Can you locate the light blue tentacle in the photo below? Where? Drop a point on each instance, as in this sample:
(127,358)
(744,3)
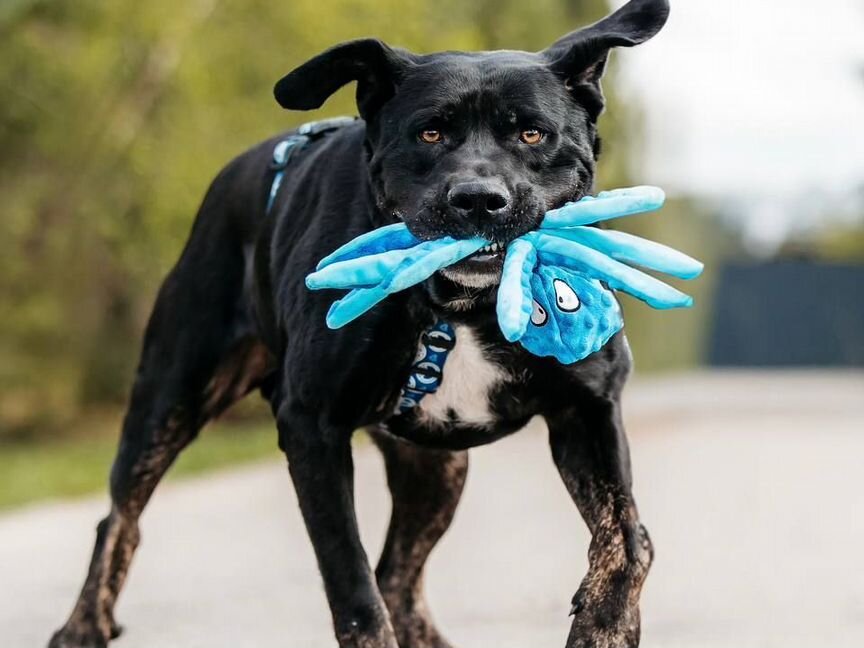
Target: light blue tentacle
(514,294)
(415,265)
(631,249)
(383,239)
(366,271)
(353,305)
(605,206)
(417,268)
(619,276)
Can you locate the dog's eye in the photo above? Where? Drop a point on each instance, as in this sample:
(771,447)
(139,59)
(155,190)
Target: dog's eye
(531,136)
(431,136)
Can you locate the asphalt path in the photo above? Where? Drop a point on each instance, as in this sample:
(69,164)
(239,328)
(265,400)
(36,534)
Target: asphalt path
(750,484)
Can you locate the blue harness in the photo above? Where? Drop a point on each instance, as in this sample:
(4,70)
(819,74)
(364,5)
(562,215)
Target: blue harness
(438,340)
(285,149)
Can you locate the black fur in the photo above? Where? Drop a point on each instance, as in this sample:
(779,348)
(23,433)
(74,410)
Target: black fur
(234,315)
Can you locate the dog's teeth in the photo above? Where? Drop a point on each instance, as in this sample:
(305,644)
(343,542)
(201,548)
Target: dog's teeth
(491,248)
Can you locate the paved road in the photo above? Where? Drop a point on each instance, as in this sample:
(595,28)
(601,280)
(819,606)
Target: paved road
(749,483)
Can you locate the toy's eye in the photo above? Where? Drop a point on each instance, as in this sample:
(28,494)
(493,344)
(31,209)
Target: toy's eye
(431,136)
(565,297)
(531,136)
(538,315)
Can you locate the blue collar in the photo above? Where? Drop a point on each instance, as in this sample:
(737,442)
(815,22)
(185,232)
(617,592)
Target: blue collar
(438,340)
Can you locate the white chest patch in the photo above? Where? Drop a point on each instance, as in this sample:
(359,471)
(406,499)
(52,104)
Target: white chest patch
(464,391)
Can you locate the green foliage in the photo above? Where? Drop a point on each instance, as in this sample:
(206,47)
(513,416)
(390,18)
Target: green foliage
(68,468)
(115,117)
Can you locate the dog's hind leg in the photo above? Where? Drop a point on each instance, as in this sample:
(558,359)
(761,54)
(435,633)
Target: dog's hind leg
(165,414)
(158,426)
(426,486)
(199,356)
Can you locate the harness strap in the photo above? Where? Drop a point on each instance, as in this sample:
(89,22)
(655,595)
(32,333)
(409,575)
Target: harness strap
(427,372)
(438,340)
(285,149)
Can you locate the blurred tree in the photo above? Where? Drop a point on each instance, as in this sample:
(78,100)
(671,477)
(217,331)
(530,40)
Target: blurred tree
(115,117)
(844,243)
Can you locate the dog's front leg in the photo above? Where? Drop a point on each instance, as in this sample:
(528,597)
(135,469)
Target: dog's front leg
(590,450)
(319,459)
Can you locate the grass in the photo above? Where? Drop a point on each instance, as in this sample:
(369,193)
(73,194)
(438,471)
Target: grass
(36,471)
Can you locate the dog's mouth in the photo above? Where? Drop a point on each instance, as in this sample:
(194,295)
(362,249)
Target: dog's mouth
(488,253)
(480,270)
(483,268)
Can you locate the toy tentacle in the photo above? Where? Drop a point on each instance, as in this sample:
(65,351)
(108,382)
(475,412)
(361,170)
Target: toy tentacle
(369,270)
(605,206)
(618,275)
(353,305)
(416,268)
(633,250)
(356,273)
(383,239)
(412,267)
(514,293)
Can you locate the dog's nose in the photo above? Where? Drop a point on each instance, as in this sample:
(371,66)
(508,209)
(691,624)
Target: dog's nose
(479,198)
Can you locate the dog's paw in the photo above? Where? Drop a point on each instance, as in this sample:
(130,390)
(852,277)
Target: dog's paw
(81,635)
(421,635)
(415,629)
(588,632)
(603,624)
(68,637)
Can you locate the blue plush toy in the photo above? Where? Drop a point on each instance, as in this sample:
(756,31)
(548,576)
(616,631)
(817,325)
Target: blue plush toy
(552,298)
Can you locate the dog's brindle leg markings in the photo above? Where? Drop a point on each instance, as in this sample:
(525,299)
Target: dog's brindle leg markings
(152,438)
(321,467)
(195,362)
(92,620)
(590,450)
(426,486)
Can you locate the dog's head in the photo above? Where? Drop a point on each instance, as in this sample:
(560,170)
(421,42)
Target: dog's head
(481,143)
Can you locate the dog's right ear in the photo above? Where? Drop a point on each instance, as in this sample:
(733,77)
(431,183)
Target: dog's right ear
(376,67)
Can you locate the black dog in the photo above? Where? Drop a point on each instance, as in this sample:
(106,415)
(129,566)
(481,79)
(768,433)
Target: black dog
(451,143)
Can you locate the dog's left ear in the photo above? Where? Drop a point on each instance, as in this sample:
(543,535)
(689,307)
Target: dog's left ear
(376,67)
(579,58)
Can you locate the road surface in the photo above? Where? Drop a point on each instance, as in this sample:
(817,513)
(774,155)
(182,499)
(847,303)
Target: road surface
(751,486)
